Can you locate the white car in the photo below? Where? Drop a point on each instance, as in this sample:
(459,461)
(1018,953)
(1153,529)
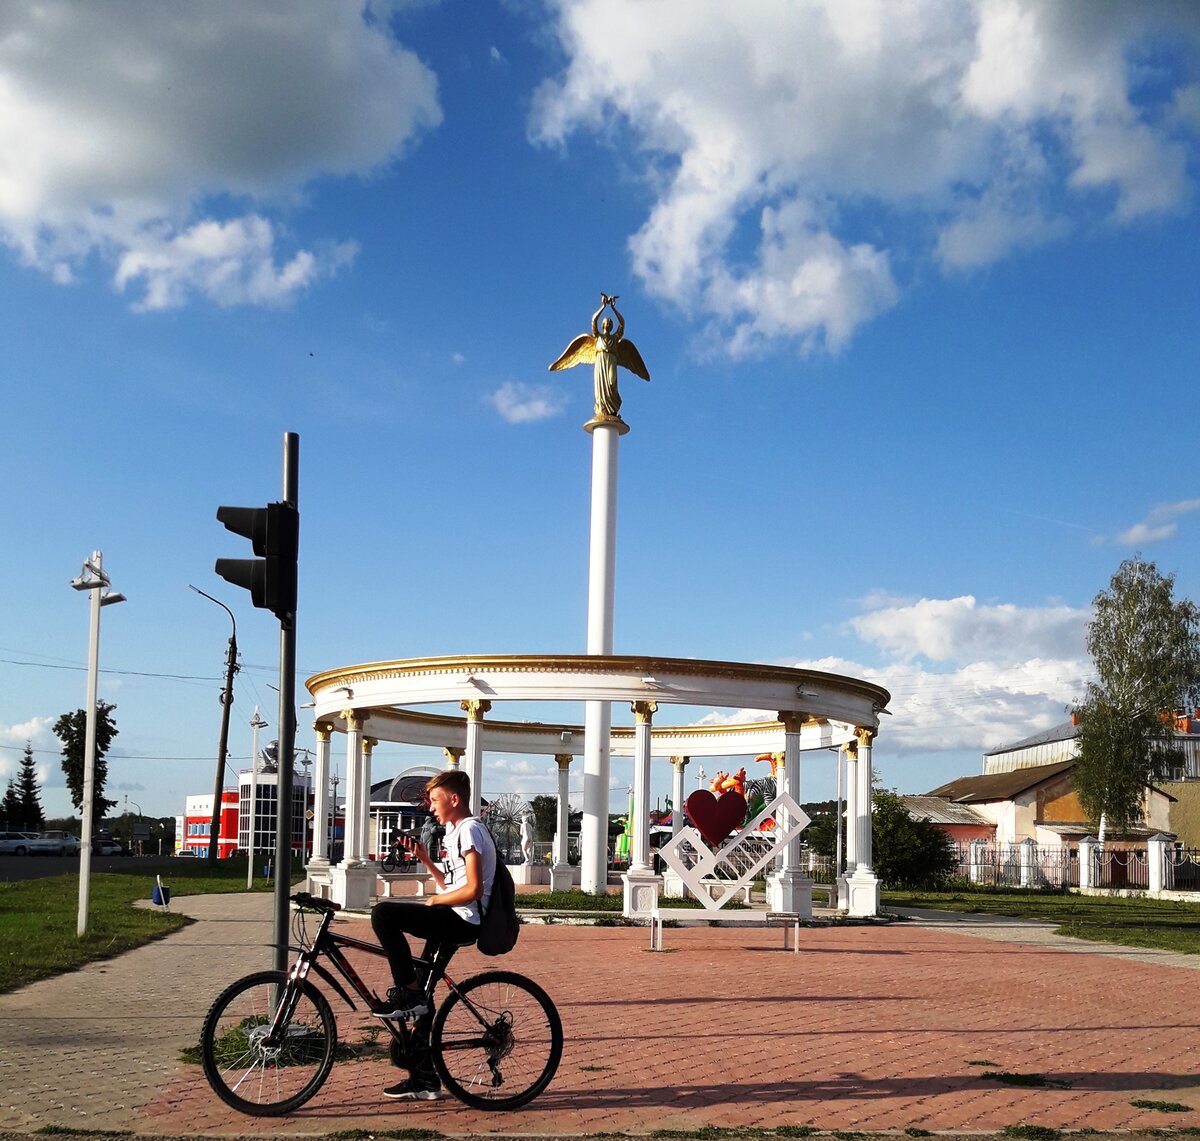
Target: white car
(16,843)
(54,843)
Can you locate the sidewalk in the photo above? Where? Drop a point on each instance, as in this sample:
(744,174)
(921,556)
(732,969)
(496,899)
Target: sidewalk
(867,1028)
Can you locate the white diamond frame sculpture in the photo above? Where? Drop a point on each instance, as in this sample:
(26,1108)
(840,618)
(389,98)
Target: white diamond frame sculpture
(738,860)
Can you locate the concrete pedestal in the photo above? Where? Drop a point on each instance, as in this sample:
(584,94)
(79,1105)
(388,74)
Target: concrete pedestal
(352,887)
(562,877)
(641,894)
(843,893)
(790,890)
(529,873)
(317,881)
(862,894)
(673,885)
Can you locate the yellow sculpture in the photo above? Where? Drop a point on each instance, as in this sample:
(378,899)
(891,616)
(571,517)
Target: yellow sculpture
(606,350)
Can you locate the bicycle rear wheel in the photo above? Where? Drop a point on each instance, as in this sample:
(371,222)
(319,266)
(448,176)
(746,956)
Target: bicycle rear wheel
(391,861)
(497,1041)
(250,1071)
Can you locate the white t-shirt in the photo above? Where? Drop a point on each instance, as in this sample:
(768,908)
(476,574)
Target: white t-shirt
(467,835)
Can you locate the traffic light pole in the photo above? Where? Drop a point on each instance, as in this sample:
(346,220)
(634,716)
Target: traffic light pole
(287,729)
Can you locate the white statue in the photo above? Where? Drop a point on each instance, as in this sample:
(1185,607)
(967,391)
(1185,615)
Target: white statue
(527,838)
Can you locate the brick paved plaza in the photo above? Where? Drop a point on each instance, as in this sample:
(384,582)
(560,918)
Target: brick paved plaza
(868,1027)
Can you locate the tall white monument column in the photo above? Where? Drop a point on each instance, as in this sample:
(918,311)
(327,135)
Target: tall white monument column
(352,882)
(473,757)
(597,721)
(790,889)
(560,870)
(641,884)
(862,883)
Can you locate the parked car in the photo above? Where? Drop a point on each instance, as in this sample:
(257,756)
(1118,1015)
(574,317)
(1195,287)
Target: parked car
(105,846)
(55,843)
(187,853)
(15,843)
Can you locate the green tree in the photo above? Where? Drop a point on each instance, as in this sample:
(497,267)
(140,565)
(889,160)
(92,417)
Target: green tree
(1145,646)
(907,852)
(28,793)
(545,817)
(71,730)
(10,808)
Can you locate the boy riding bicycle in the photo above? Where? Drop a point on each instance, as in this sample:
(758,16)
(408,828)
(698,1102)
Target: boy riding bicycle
(449,918)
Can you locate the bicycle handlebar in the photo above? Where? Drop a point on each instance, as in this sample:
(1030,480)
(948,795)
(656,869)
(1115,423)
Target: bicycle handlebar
(305,899)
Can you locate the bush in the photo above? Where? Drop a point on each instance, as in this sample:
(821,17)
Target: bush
(906,852)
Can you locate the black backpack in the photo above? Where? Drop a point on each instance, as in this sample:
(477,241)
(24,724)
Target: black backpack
(500,925)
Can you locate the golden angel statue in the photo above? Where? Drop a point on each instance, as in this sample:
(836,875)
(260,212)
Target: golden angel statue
(607,350)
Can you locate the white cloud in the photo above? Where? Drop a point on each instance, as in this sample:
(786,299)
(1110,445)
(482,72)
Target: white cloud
(962,630)
(138,130)
(526,403)
(799,152)
(1161,523)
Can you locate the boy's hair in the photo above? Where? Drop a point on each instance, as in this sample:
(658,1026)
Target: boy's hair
(452,780)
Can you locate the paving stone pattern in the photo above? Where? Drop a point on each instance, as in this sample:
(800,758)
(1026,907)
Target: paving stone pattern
(876,1027)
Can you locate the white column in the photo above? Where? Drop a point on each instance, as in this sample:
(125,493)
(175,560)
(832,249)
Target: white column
(1158,863)
(368,839)
(678,796)
(352,849)
(1029,863)
(1088,847)
(862,883)
(323,730)
(560,870)
(602,562)
(851,826)
(789,889)
(453,757)
(641,884)
(643,712)
(352,882)
(473,757)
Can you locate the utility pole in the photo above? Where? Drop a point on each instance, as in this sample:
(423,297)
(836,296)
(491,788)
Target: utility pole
(231,667)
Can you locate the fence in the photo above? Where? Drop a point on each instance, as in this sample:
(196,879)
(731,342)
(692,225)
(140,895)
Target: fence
(1017,865)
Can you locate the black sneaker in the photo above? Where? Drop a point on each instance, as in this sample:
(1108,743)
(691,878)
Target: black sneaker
(413,1090)
(401,1002)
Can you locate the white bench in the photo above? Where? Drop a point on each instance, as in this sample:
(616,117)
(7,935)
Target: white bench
(694,917)
(390,881)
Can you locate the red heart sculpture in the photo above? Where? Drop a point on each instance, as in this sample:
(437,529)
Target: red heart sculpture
(715,816)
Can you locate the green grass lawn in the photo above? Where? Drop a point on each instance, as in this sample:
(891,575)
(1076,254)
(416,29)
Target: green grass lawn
(1130,922)
(38,918)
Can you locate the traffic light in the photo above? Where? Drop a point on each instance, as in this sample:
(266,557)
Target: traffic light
(274,532)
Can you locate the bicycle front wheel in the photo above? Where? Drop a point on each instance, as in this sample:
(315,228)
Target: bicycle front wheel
(390,862)
(254,1071)
(497,1041)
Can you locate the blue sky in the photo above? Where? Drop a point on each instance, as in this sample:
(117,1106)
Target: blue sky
(916,285)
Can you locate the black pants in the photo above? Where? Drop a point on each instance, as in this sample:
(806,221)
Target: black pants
(392,920)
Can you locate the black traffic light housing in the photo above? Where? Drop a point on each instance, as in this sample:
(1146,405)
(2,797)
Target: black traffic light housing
(274,532)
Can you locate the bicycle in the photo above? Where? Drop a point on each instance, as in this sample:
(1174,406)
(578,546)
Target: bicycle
(270,1039)
(398,859)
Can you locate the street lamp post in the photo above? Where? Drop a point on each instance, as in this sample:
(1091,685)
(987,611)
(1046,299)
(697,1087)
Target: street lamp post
(135,804)
(256,724)
(92,578)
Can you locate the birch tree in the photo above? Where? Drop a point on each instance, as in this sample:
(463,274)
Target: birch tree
(1145,646)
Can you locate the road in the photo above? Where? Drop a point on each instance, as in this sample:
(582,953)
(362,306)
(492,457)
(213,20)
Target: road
(14,868)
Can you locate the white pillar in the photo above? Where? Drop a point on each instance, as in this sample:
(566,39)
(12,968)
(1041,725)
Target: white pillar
(352,882)
(1029,862)
(678,796)
(789,889)
(473,757)
(641,884)
(1158,863)
(352,847)
(368,833)
(863,884)
(1088,847)
(453,757)
(602,562)
(323,730)
(851,853)
(560,870)
(978,849)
